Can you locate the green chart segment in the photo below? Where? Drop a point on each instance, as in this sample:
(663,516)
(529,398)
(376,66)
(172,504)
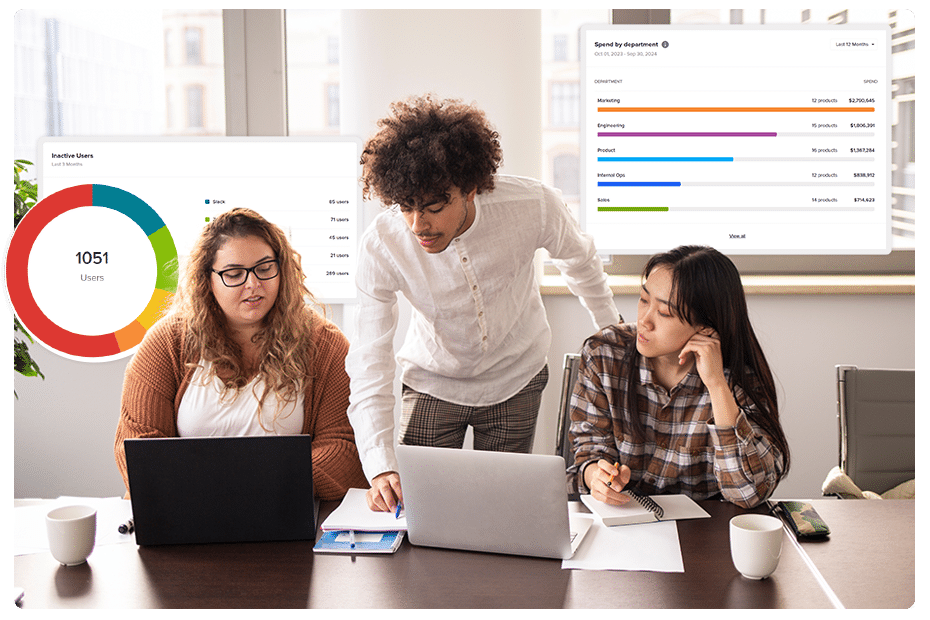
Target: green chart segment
(124,338)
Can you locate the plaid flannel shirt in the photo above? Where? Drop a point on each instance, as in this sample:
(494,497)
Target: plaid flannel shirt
(683,452)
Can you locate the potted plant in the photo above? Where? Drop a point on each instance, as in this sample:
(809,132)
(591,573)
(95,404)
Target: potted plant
(25,194)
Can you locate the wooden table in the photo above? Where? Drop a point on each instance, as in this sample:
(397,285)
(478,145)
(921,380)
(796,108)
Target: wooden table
(289,574)
(868,560)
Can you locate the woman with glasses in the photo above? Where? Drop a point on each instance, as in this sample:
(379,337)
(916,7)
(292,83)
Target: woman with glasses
(241,353)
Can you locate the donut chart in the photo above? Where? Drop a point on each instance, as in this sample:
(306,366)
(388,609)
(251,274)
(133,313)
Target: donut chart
(124,337)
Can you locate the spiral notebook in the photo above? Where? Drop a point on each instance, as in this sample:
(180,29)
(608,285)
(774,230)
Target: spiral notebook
(645,509)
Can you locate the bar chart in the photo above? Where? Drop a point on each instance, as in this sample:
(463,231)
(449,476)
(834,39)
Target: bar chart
(752,140)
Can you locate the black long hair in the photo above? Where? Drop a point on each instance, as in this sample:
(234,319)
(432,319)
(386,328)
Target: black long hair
(707,291)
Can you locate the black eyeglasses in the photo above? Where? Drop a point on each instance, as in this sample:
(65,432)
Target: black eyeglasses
(236,276)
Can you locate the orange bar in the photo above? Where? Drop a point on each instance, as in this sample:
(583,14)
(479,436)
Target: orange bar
(736,109)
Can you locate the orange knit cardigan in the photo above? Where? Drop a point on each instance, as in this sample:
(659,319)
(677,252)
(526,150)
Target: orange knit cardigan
(157,377)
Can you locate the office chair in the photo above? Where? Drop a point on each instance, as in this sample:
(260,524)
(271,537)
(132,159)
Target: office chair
(875,408)
(563,442)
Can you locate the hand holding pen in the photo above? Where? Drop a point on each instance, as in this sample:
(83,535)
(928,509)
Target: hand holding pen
(607,480)
(385,493)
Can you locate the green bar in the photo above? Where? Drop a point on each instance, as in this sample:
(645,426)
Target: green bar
(632,208)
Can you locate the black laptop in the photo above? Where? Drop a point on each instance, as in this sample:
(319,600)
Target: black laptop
(221,489)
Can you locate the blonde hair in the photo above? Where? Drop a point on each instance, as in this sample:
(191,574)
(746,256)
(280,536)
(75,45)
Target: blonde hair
(286,348)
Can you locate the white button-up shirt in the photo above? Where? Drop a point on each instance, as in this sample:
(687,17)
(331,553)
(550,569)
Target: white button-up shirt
(478,332)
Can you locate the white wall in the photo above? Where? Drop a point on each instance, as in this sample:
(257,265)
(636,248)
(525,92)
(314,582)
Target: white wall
(489,57)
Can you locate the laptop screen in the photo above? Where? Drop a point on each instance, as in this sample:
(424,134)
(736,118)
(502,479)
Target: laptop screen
(221,489)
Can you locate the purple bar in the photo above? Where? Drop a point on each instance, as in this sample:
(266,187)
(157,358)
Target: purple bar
(687,134)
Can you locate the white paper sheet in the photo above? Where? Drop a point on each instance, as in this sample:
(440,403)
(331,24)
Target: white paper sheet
(646,546)
(30,535)
(354,514)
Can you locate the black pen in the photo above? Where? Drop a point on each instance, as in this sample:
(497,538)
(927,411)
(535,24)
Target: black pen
(774,508)
(126,528)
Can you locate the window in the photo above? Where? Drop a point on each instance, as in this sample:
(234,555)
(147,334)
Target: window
(560,47)
(193,53)
(560,104)
(194,106)
(564,104)
(115,72)
(313,45)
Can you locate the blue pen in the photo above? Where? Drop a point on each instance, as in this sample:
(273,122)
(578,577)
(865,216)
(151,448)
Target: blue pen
(397,512)
(352,539)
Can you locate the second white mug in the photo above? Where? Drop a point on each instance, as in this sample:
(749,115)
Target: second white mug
(755,544)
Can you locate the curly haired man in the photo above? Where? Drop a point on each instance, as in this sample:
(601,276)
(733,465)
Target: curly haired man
(458,241)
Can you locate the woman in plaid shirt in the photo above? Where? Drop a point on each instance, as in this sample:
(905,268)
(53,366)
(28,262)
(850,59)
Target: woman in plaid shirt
(683,401)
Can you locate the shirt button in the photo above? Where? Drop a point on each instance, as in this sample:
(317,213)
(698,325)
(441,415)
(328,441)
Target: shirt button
(474,288)
(464,259)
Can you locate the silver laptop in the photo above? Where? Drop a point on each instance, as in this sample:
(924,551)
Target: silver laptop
(498,502)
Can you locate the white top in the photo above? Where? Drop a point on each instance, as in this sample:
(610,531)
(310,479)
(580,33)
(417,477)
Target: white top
(478,333)
(205,412)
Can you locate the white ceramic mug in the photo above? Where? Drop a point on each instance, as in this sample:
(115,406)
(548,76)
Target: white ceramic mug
(71,533)
(755,544)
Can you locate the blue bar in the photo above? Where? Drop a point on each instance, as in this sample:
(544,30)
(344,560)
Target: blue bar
(664,159)
(639,184)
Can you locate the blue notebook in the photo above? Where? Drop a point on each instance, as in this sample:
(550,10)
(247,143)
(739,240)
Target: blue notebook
(341,541)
